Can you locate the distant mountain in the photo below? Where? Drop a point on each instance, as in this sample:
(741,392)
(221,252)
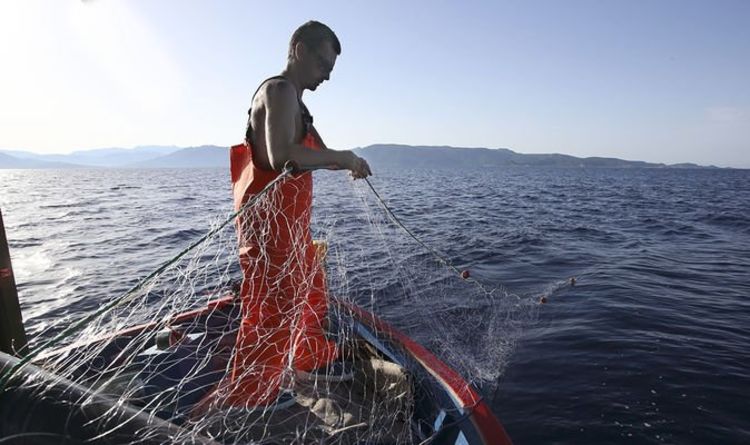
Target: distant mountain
(116,157)
(191,157)
(100,157)
(392,155)
(8,161)
(139,157)
(690,165)
(379,156)
(21,154)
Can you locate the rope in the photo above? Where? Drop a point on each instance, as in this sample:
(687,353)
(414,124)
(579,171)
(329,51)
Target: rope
(288,169)
(438,255)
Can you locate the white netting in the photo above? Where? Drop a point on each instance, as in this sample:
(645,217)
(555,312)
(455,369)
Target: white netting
(195,356)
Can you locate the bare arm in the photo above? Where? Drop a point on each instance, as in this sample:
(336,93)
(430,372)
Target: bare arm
(281,111)
(360,168)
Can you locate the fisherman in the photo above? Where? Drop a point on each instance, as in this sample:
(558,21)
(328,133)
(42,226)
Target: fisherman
(283,292)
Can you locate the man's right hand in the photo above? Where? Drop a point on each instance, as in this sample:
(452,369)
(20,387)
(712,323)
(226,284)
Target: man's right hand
(357,166)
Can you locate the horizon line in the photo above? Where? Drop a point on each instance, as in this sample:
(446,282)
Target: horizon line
(178,147)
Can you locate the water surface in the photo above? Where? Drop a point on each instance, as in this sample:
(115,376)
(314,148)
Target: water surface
(650,346)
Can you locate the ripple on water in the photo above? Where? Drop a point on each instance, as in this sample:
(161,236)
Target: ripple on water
(649,347)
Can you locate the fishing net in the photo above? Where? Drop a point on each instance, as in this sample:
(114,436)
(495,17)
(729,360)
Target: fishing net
(279,349)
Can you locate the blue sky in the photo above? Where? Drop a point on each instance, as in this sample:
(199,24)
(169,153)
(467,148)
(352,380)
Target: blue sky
(662,81)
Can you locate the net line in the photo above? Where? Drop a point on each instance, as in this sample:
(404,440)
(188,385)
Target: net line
(132,291)
(182,370)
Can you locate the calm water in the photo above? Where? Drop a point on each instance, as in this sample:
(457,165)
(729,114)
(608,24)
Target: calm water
(651,346)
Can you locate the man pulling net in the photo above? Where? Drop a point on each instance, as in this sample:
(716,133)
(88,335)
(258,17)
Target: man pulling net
(283,290)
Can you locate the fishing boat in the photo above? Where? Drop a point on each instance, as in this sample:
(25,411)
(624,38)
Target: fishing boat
(401,392)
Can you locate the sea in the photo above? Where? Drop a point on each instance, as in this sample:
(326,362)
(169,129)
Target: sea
(650,345)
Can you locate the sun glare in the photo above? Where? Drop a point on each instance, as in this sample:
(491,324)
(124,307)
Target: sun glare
(83,71)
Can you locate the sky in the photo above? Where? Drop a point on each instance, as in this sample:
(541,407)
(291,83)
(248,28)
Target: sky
(660,81)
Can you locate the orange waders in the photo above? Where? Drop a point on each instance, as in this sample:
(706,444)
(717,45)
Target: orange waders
(283,293)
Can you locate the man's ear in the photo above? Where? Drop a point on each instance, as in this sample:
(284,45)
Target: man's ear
(299,50)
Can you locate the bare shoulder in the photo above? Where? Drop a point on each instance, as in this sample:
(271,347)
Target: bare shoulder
(279,92)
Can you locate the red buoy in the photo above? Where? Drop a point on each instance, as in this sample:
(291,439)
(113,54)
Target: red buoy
(543,300)
(465,274)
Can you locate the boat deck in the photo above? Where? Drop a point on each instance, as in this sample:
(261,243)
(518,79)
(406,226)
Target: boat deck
(375,407)
(130,384)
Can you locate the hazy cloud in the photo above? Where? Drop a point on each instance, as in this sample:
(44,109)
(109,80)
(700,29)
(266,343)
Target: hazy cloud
(727,114)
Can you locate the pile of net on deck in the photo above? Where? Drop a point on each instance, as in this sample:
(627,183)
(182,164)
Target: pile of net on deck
(178,373)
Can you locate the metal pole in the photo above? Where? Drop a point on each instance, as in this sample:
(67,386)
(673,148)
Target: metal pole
(12,333)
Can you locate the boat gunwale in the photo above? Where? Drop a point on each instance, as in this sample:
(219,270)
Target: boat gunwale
(463,395)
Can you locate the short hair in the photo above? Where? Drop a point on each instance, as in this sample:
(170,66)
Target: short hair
(313,34)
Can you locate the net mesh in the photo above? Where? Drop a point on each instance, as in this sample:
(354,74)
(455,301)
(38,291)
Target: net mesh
(278,350)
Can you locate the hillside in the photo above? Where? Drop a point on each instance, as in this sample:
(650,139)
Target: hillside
(191,157)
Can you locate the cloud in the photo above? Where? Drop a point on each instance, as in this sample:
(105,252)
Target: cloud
(725,114)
